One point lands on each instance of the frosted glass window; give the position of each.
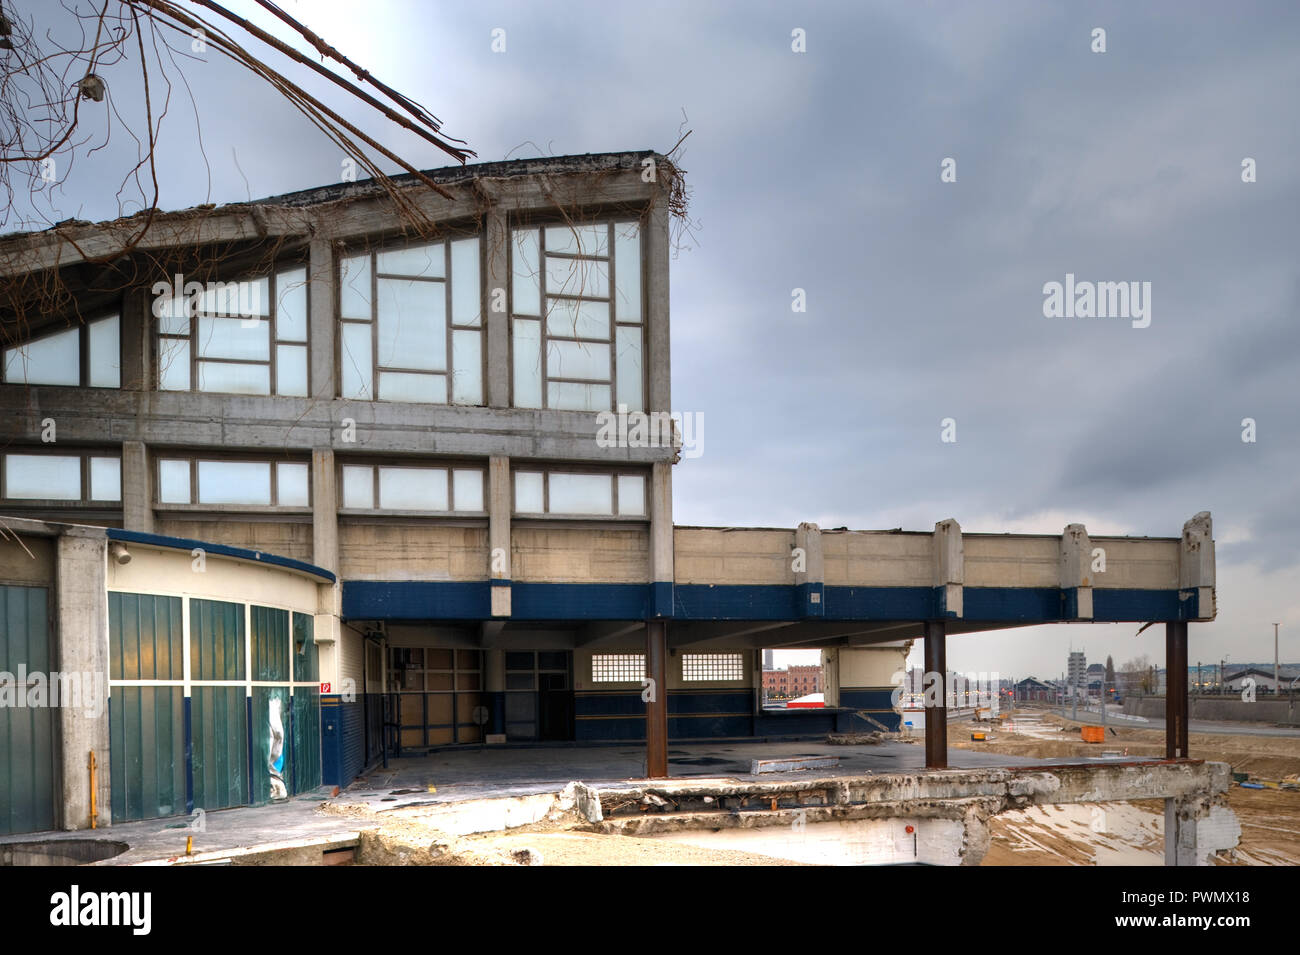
(354, 287)
(105, 354)
(631, 495)
(574, 318)
(412, 325)
(627, 272)
(628, 366)
(291, 309)
(234, 379)
(244, 297)
(234, 338)
(466, 359)
(578, 239)
(525, 284)
(42, 477)
(174, 364)
(401, 386)
(173, 315)
(467, 489)
(572, 396)
(105, 479)
(52, 360)
(355, 362)
(291, 370)
(427, 261)
(584, 277)
(358, 487)
(527, 347)
(235, 482)
(413, 489)
(529, 495)
(466, 294)
(580, 494)
(584, 360)
(174, 482)
(291, 485)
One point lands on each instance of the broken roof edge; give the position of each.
(371, 188)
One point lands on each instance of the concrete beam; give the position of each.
(1196, 563)
(137, 488)
(500, 505)
(662, 539)
(321, 311)
(1076, 570)
(949, 567)
(809, 562)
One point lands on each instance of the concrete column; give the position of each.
(656, 239)
(137, 488)
(494, 685)
(324, 511)
(656, 710)
(661, 539)
(1176, 689)
(810, 570)
(936, 717)
(1076, 571)
(949, 566)
(499, 559)
(82, 628)
(496, 285)
(323, 326)
(1196, 563)
(136, 324)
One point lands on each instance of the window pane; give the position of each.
(173, 364)
(413, 489)
(466, 295)
(291, 485)
(403, 386)
(578, 239)
(105, 479)
(234, 482)
(246, 297)
(629, 368)
(53, 360)
(468, 489)
(291, 370)
(358, 487)
(412, 325)
(569, 396)
(42, 477)
(234, 379)
(527, 347)
(577, 360)
(428, 261)
(291, 309)
(577, 318)
(234, 338)
(525, 284)
(627, 272)
(584, 277)
(528, 492)
(173, 314)
(467, 368)
(354, 287)
(631, 494)
(105, 355)
(581, 494)
(355, 362)
(174, 482)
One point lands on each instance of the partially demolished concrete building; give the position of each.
(313, 477)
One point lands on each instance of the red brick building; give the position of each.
(792, 681)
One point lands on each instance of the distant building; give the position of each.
(792, 681)
(1030, 690)
(1264, 683)
(1077, 669)
(768, 663)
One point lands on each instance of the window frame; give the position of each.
(82, 327)
(196, 506)
(613, 474)
(84, 456)
(450, 466)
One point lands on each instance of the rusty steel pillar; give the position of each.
(936, 717)
(1176, 689)
(655, 694)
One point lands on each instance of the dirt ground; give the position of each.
(1270, 818)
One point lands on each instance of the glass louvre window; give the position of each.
(698, 667)
(57, 358)
(579, 494)
(61, 477)
(577, 317)
(246, 338)
(411, 324)
(617, 667)
(250, 484)
(417, 489)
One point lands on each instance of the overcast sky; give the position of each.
(820, 170)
